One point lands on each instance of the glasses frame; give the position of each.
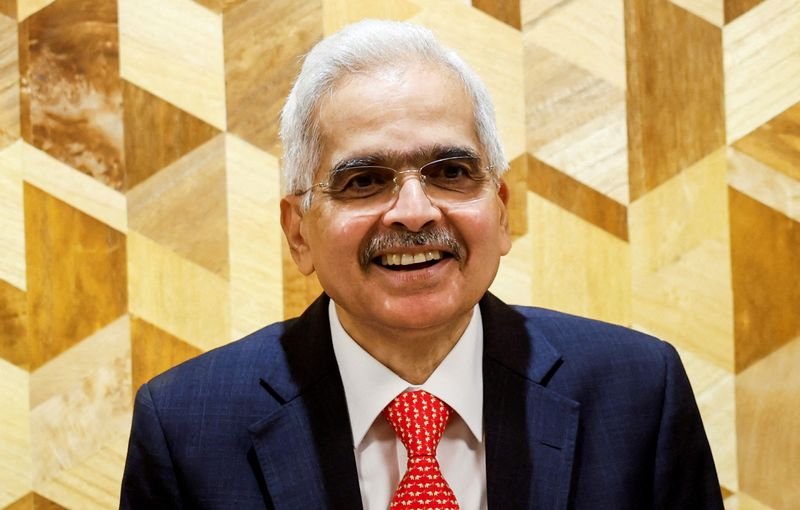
(396, 179)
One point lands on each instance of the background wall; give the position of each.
(655, 151)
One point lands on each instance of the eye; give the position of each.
(361, 182)
(455, 173)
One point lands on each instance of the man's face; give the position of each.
(400, 118)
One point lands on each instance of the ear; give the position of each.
(505, 232)
(292, 215)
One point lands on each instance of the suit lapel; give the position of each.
(530, 429)
(305, 448)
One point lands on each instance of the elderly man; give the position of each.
(407, 385)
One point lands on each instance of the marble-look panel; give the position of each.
(9, 82)
(14, 346)
(184, 207)
(776, 143)
(180, 297)
(765, 266)
(153, 351)
(75, 272)
(675, 103)
(70, 76)
(157, 133)
(16, 464)
(577, 198)
(507, 11)
(767, 421)
(12, 221)
(264, 40)
(255, 234)
(577, 267)
(762, 65)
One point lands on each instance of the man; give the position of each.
(395, 200)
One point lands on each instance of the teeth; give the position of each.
(405, 259)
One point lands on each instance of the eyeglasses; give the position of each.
(447, 181)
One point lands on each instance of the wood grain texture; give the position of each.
(220, 6)
(14, 346)
(156, 133)
(675, 91)
(16, 466)
(338, 13)
(762, 65)
(776, 143)
(175, 50)
(76, 275)
(153, 351)
(9, 82)
(516, 178)
(767, 415)
(761, 182)
(765, 266)
(71, 78)
(12, 224)
(508, 12)
(712, 11)
(8, 8)
(193, 190)
(298, 291)
(34, 501)
(577, 198)
(735, 8)
(27, 8)
(265, 40)
(255, 235)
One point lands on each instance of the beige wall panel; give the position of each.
(762, 65)
(587, 272)
(256, 276)
(93, 483)
(184, 207)
(712, 11)
(715, 393)
(174, 49)
(16, 463)
(12, 221)
(177, 295)
(767, 421)
(470, 32)
(75, 188)
(79, 411)
(764, 184)
(338, 13)
(589, 34)
(9, 82)
(576, 122)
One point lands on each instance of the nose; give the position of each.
(412, 208)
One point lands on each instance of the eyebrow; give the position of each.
(423, 154)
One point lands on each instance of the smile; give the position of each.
(410, 261)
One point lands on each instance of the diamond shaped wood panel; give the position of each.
(655, 182)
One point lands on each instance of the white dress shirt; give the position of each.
(380, 456)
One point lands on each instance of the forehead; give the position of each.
(402, 111)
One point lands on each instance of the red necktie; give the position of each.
(419, 420)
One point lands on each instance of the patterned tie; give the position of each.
(419, 420)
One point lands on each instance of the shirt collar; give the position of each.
(369, 386)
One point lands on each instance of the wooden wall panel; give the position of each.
(654, 183)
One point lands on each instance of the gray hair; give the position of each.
(357, 47)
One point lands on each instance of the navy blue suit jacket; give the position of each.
(578, 415)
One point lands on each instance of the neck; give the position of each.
(412, 354)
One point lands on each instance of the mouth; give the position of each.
(411, 261)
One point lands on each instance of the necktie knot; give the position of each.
(418, 418)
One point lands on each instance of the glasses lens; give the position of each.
(454, 178)
(361, 182)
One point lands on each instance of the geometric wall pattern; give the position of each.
(655, 183)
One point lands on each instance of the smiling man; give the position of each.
(406, 385)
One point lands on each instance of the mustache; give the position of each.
(437, 238)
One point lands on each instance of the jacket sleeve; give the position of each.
(149, 480)
(685, 476)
